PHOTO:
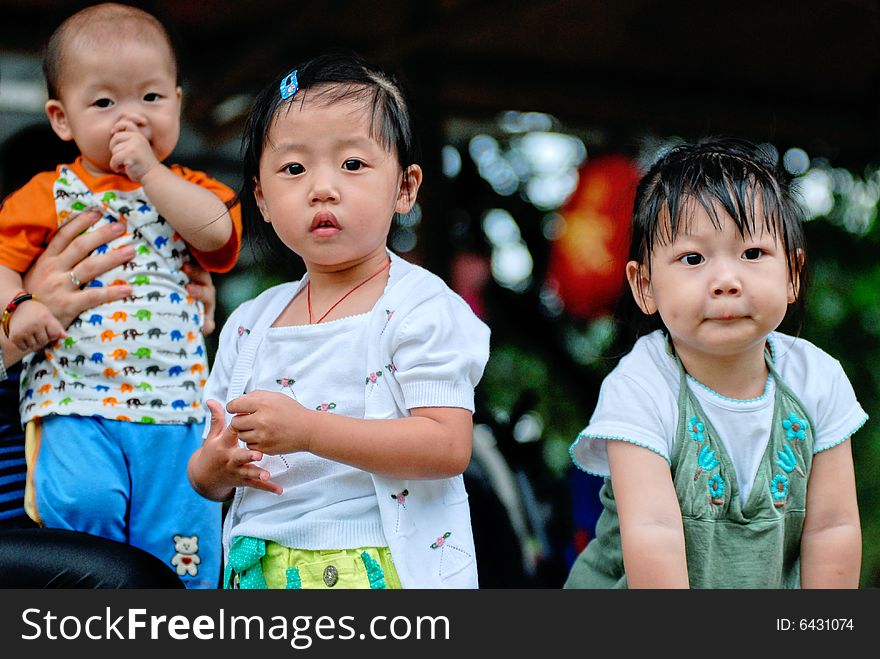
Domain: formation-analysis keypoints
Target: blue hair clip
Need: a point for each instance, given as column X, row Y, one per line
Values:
column 289, row 85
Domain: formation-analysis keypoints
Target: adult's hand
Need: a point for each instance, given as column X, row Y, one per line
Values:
column 68, row 251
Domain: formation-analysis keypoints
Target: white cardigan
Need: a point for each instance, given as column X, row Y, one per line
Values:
column 426, row 522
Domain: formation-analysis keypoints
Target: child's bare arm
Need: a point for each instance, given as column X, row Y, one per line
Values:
column 198, row 215
column 49, row 278
column 435, row 442
column 31, row 325
column 651, row 529
column 831, row 544
column 10, row 284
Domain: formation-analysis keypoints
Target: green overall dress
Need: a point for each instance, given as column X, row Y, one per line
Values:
column 728, row 545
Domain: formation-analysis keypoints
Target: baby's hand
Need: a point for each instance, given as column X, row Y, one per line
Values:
column 222, row 464
column 270, row 422
column 130, row 151
column 33, row 326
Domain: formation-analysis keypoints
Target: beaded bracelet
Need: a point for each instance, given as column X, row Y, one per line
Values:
column 20, row 298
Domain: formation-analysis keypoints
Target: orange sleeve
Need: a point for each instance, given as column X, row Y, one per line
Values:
column 27, row 221
column 223, row 259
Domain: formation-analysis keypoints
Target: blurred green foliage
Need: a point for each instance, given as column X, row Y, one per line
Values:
column 843, row 318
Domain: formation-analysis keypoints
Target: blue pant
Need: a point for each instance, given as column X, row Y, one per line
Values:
column 127, row 482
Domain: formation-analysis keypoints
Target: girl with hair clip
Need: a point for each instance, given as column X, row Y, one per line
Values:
column 724, row 442
column 348, row 395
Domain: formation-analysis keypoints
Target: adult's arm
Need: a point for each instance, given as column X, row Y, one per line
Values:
column 49, row 278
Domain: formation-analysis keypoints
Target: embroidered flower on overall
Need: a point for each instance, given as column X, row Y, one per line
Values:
column 795, row 427
column 788, row 460
column 373, row 377
column 400, row 497
column 779, row 490
column 706, row 461
column 697, row 431
column 716, row 489
column 324, row 407
column 391, row 368
column 243, row 330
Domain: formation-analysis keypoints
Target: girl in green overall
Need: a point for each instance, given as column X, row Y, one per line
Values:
column 724, row 443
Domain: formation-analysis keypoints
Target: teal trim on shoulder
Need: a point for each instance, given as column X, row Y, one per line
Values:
column 578, row 464
column 851, row 433
column 608, row 438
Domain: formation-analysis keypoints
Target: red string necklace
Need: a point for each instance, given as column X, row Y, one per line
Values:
column 309, row 293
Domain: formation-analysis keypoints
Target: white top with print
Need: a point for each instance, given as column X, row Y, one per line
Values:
column 139, row 359
column 422, row 347
column 327, row 504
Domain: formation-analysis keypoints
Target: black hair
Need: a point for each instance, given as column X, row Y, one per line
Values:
column 330, row 78
column 737, row 175
column 98, row 23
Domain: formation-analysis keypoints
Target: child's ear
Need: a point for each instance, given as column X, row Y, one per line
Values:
column 409, row 189
column 794, row 283
column 640, row 285
column 58, row 119
column 261, row 202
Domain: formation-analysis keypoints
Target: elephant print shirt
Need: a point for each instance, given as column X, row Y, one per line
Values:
column 142, row 358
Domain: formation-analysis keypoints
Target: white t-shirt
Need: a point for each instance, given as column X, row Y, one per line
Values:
column 638, row 403
column 326, row 504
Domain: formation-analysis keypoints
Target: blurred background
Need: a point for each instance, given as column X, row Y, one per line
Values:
column 536, row 119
